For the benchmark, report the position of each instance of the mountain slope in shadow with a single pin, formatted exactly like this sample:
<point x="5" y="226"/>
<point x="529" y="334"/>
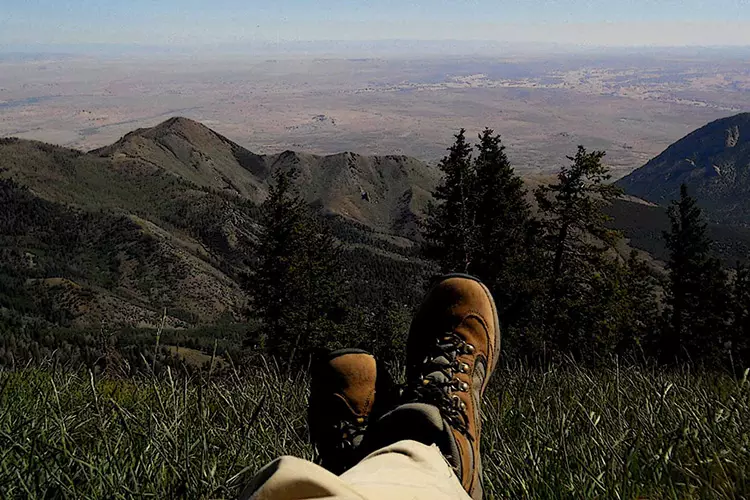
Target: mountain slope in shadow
<point x="713" y="161"/>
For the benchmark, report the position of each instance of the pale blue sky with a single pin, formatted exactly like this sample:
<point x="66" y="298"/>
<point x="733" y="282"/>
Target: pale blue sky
<point x="198" y="22"/>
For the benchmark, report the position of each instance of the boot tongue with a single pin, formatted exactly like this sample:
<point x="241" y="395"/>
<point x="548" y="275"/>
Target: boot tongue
<point x="439" y="365"/>
<point x="441" y="361"/>
<point x="438" y="377"/>
<point x="357" y="440"/>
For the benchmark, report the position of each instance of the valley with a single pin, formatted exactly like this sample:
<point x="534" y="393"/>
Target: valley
<point x="631" y="105"/>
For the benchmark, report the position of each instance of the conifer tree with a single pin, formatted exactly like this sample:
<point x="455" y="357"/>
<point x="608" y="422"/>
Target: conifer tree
<point x="449" y="228"/>
<point x="296" y="289"/>
<point x="282" y="219"/>
<point x="504" y="230"/>
<point x="697" y="292"/>
<point x="321" y="310"/>
<point x="386" y="330"/>
<point x="576" y="239"/>
<point x="572" y="210"/>
<point x="740" y="330"/>
<point x="639" y="309"/>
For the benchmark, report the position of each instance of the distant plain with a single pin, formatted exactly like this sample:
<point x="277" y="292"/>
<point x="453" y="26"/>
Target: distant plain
<point x="544" y="104"/>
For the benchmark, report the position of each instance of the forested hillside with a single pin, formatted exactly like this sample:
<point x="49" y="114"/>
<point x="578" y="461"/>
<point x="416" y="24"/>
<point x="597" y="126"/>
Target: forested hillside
<point x="207" y="231"/>
<point x="180" y="229"/>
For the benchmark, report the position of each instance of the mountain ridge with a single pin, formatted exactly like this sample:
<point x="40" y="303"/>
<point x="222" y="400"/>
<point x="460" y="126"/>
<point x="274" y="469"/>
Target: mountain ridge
<point x="714" y="163"/>
<point x="367" y="189"/>
<point x="150" y="224"/>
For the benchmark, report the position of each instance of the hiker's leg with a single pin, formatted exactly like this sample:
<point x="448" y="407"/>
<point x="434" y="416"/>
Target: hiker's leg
<point x="291" y="478"/>
<point x="405" y="470"/>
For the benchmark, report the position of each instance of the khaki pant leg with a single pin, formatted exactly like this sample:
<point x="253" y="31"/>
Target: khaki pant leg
<point x="291" y="478"/>
<point x="404" y="471"/>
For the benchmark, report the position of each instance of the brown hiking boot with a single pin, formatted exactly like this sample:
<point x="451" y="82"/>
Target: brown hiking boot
<point x="453" y="348"/>
<point x="342" y="402"/>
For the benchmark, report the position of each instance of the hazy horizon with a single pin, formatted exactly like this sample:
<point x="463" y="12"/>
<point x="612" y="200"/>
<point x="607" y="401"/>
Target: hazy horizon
<point x="192" y="25"/>
<point x="396" y="48"/>
<point x="378" y="77"/>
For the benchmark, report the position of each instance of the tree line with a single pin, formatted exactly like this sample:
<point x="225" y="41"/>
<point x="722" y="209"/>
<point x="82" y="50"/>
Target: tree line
<point x="559" y="275"/>
<point x="562" y="281"/>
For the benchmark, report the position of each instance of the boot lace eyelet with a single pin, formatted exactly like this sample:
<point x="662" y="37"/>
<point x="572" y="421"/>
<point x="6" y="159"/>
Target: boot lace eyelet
<point x="460" y="386"/>
<point x="458" y="404"/>
<point x="438" y="383"/>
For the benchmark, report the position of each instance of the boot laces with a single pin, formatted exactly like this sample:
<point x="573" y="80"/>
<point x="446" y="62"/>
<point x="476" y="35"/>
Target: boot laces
<point x="349" y="430"/>
<point x="438" y="384"/>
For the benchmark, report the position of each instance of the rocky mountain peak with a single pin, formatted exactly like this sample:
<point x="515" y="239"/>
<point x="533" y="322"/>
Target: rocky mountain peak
<point x="713" y="161"/>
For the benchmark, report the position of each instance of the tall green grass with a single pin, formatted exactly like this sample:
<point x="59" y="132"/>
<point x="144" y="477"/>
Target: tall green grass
<point x="568" y="432"/>
<point x="617" y="432"/>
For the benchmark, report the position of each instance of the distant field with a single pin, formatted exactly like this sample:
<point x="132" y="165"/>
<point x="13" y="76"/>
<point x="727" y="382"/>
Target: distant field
<point x="631" y="105"/>
<point x="567" y="432"/>
<point x="195" y="358"/>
